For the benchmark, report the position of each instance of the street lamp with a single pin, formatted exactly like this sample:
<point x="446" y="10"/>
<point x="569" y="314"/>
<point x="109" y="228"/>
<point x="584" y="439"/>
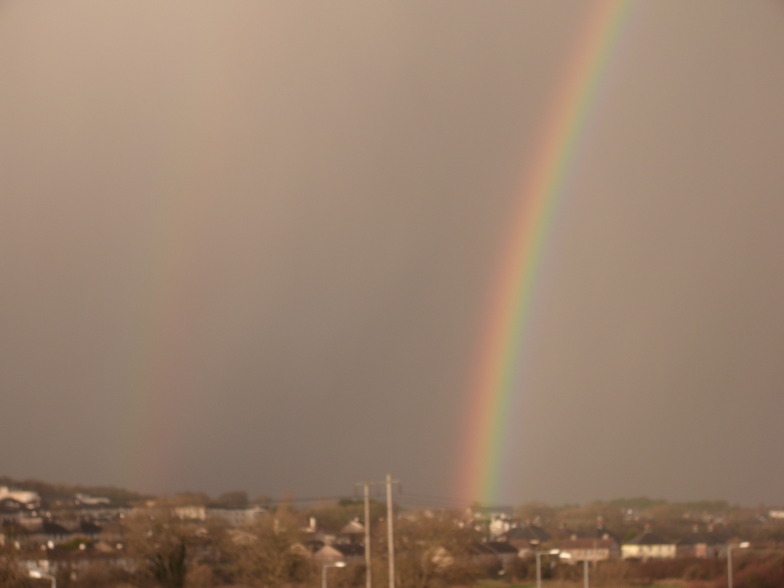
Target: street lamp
<point x="38" y="574"/>
<point x="585" y="572"/>
<point x="742" y="545"/>
<point x="539" y="555"/>
<point x="337" y="564"/>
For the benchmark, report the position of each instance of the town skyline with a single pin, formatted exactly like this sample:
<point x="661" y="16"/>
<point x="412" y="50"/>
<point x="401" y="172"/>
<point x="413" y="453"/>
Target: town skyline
<point x="10" y="486"/>
<point x="109" y="537"/>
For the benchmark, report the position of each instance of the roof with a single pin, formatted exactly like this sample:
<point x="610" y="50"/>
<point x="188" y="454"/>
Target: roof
<point x="342" y="550"/>
<point x="604" y="533"/>
<point x="51" y="528"/>
<point x="348" y="549"/>
<point x="501" y="547"/>
<point x="649" y="538"/>
<point x="314" y="545"/>
<point x="707" y="538"/>
<point x="587" y="543"/>
<point x="89" y="527"/>
<point x="481" y="549"/>
<point x="527" y="533"/>
<point x="353" y="528"/>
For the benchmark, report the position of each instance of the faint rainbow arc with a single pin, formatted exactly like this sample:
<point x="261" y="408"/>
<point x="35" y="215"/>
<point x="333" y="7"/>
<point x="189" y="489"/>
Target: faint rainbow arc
<point x="512" y="297"/>
<point x="169" y="293"/>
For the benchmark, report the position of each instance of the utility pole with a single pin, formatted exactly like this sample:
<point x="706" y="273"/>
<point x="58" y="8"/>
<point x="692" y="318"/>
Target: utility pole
<point x="390" y="533"/>
<point x="368" y="573"/>
<point x="729" y="565"/>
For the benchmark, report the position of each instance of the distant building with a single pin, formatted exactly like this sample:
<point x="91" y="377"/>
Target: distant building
<point x="494" y="554"/>
<point x="590" y="549"/>
<point x="47" y="532"/>
<point x="703" y="544"/>
<point x="525" y="538"/>
<point x="648" y="545"/>
<point x="88" y="500"/>
<point x="235" y="516"/>
<point x="25" y="497"/>
<point x="191" y="512"/>
<point x="353" y="532"/>
<point x="349" y="553"/>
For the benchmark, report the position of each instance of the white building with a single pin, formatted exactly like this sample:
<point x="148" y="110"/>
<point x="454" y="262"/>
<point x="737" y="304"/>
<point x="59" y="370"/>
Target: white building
<point x="648" y="545"/>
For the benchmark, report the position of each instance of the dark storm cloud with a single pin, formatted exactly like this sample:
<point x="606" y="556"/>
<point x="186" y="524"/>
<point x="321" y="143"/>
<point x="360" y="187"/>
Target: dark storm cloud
<point x="312" y="199"/>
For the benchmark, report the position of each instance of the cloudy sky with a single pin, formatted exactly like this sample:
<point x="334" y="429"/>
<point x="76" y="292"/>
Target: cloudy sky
<point x="252" y="245"/>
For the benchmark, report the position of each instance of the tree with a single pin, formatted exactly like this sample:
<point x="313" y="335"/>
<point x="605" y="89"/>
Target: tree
<point x="158" y="539"/>
<point x="433" y="550"/>
<point x="201" y="576"/>
<point x="264" y="501"/>
<point x="537" y="513"/>
<point x="335" y="516"/>
<point x="233" y="499"/>
<point x="190" y="499"/>
<point x="268" y="552"/>
<point x="12" y="575"/>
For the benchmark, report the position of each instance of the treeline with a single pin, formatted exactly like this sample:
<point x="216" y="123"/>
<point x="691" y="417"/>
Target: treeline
<point x="52" y="492"/>
<point x="627" y="517"/>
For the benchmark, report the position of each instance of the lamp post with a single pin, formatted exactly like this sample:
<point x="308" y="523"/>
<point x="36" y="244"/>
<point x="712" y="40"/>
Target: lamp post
<point x="324" y="568"/>
<point x="39" y="575"/>
<point x="585" y="572"/>
<point x="742" y="545"/>
<point x="539" y="555"/>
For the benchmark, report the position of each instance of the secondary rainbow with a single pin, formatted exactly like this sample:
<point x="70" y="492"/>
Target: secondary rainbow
<point x="496" y="377"/>
<point x="171" y="278"/>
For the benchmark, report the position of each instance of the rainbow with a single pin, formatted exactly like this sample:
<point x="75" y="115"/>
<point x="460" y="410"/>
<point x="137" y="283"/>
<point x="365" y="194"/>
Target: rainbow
<point x="171" y="269"/>
<point x="496" y="380"/>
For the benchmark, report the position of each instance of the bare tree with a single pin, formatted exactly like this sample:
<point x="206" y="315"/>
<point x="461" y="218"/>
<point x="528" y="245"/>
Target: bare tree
<point x="12" y="575"/>
<point x="268" y="552"/>
<point x="432" y="550"/>
<point x="159" y="542"/>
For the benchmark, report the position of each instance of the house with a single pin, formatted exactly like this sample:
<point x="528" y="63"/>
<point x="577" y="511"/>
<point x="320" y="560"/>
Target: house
<point x="590" y="549"/>
<point x="13" y="511"/>
<point x="706" y="544"/>
<point x="27" y="498"/>
<point x="47" y="532"/>
<point x="524" y="538"/>
<point x="648" y="545"/>
<point x="353" y="532"/>
<point x="506" y="552"/>
<point x="235" y="516"/>
<point x="345" y="552"/>
<point x="58" y="560"/>
<point x="191" y="512"/>
<point x="101" y="512"/>
<point x="90" y="530"/>
<point x="494" y="554"/>
<point x="489" y="521"/>
<point x="87" y="500"/>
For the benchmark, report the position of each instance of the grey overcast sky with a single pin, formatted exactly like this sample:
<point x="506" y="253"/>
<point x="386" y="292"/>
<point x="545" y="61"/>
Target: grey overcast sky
<point x="250" y="245"/>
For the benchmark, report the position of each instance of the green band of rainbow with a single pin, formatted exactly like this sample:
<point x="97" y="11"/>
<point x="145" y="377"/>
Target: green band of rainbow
<point x="495" y="383"/>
